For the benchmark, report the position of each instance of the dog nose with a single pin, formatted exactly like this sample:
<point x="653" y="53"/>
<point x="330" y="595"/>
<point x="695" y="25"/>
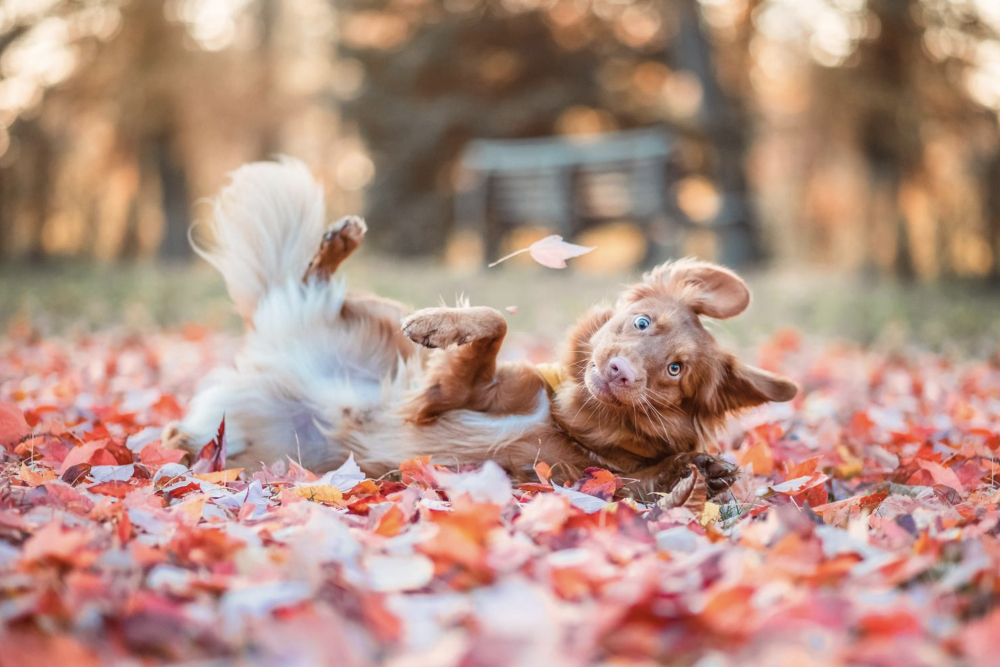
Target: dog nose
<point x="620" y="372"/>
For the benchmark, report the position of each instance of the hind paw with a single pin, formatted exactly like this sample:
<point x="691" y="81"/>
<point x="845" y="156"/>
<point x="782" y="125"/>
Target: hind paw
<point x="337" y="245"/>
<point x="174" y="438"/>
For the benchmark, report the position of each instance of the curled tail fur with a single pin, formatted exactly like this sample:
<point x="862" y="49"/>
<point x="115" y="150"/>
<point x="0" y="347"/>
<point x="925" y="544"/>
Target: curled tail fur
<point x="265" y="228"/>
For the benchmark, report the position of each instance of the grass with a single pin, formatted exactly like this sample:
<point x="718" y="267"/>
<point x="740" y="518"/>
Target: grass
<point x="59" y="298"/>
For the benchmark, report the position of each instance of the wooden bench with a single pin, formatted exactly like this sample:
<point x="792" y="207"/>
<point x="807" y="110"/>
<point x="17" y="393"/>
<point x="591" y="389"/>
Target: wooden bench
<point x="571" y="184"/>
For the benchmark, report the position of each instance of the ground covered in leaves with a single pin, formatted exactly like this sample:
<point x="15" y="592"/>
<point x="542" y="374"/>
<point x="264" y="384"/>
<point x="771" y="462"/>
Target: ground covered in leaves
<point x="864" y="531"/>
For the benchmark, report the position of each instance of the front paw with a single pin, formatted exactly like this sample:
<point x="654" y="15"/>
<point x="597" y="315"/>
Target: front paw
<point x="441" y="327"/>
<point x="719" y="474"/>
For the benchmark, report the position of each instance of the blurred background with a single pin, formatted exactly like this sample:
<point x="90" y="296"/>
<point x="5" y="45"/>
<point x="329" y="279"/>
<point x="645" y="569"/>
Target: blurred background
<point x="845" y="154"/>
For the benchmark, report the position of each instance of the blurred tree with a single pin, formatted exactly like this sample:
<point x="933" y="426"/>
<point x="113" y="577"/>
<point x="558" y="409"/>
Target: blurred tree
<point x="439" y="73"/>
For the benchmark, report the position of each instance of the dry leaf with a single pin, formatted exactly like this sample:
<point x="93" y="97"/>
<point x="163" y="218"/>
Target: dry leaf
<point x="551" y="251"/>
<point x="320" y="493"/>
<point x="220" y="476"/>
<point x="690" y="492"/>
<point x="32" y="478"/>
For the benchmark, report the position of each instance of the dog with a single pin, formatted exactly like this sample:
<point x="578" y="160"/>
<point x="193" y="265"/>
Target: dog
<point x="324" y="372"/>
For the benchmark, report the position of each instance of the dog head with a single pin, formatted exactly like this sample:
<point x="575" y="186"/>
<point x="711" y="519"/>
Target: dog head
<point x="654" y="352"/>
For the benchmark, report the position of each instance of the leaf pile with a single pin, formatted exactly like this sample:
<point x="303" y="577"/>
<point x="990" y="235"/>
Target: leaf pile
<point x="864" y="531"/>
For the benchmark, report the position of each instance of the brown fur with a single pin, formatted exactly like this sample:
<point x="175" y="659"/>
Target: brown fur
<point x="649" y="429"/>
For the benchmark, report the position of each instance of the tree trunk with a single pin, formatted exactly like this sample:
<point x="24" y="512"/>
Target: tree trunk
<point x="724" y="124"/>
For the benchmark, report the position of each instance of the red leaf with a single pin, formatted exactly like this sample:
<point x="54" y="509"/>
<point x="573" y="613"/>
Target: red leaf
<point x="212" y="457"/>
<point x="599" y="482"/>
<point x="156" y="455"/>
<point x="115" y="488"/>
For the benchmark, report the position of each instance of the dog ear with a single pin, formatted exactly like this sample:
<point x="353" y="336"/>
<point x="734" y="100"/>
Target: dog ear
<point x="742" y="386"/>
<point x="709" y="289"/>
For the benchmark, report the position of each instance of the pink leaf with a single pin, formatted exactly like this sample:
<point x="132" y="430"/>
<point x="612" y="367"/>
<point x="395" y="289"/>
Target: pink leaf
<point x="553" y="252"/>
<point x="13" y="427"/>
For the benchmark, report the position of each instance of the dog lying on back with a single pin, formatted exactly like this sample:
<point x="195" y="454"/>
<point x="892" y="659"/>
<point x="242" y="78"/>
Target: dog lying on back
<point x="324" y="372"/>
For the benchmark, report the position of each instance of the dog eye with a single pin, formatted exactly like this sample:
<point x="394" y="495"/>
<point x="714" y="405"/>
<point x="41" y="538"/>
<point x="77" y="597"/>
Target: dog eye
<point x="674" y="369"/>
<point x="641" y="322"/>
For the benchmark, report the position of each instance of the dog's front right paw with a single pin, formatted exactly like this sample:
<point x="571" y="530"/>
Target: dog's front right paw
<point x="719" y="474"/>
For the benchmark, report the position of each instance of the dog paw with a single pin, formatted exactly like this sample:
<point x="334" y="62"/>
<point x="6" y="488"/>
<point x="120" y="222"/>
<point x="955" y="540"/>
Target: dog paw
<point x="349" y="232"/>
<point x="719" y="474"/>
<point x="174" y="438"/>
<point x="337" y="245"/>
<point x="433" y="328"/>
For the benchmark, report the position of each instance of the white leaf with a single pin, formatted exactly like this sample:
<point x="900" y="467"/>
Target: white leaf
<point x="399" y="573"/>
<point x="345" y="478"/>
<point x="584" y="501"/>
<point x="112" y="473"/>
<point x="489" y="484"/>
<point x="553" y="252"/>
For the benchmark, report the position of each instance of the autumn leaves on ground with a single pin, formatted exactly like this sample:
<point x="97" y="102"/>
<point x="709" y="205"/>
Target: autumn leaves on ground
<point x="864" y="531"/>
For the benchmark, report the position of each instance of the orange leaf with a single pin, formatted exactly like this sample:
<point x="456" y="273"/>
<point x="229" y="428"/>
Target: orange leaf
<point x="221" y="476"/>
<point x="391" y="523"/>
<point x="32" y="478"/>
<point x="599" y="482"/>
<point x="761" y="457"/>
<point x="320" y="493"/>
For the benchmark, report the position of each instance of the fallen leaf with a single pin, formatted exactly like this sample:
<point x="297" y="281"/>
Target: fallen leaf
<point x="220" y="476"/>
<point x="690" y="492"/>
<point x="13" y="426"/>
<point x="212" y="457"/>
<point x="320" y="493"/>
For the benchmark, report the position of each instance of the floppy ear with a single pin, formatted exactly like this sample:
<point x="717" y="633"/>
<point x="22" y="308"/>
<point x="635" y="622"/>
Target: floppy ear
<point x="742" y="386"/>
<point x="708" y="289"/>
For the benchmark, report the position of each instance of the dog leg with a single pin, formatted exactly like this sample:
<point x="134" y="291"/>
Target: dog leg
<point x="466" y="376"/>
<point x="337" y="245"/>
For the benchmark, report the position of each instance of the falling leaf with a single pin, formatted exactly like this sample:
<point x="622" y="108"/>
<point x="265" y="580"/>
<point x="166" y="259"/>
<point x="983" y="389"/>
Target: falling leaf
<point x="550" y="251"/>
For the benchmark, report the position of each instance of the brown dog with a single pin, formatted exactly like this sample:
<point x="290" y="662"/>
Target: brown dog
<point x="641" y="390"/>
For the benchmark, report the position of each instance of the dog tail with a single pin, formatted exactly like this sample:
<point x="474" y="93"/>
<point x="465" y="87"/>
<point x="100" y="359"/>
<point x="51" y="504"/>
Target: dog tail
<point x="266" y="226"/>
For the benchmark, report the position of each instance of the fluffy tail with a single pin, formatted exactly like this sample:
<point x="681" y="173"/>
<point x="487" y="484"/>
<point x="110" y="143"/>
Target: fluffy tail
<point x="266" y="226"/>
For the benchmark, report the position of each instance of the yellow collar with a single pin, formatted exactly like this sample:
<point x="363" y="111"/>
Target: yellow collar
<point x="553" y="375"/>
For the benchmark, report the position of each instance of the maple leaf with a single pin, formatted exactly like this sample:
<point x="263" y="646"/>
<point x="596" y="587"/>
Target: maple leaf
<point x="599" y="482"/>
<point x="690" y="492"/>
<point x="551" y="251"/>
<point x="212" y="457"/>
